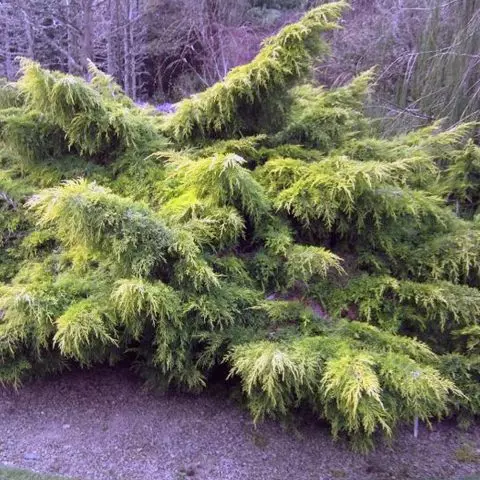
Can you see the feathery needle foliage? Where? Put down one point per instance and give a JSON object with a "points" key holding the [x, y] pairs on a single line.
{"points": [[251, 95], [290, 248]]}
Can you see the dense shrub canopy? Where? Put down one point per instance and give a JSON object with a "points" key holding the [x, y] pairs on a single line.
{"points": [[324, 266]]}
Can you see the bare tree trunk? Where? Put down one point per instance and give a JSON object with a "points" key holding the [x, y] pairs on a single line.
{"points": [[9, 65], [29, 37], [30, 51], [126, 53], [9, 60], [132, 67], [70, 39], [111, 70], [87, 50]]}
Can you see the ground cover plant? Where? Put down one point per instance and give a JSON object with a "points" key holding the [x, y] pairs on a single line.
{"points": [[14, 474], [263, 233]]}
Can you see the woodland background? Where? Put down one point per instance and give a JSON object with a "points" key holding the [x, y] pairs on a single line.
{"points": [[427, 51]]}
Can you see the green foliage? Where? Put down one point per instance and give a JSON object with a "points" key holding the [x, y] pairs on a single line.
{"points": [[359, 383], [87, 215], [221, 181], [462, 179], [30, 135], [83, 331], [62, 112], [304, 263], [290, 247], [339, 192], [325, 119], [9, 95], [454, 256], [429, 309], [252, 95], [138, 301]]}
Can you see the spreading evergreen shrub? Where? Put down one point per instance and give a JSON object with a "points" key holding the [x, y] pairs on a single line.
{"points": [[263, 232]]}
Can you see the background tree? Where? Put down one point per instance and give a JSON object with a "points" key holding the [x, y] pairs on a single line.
{"points": [[164, 50]]}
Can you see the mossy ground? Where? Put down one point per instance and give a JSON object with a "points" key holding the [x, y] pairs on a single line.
{"points": [[14, 474]]}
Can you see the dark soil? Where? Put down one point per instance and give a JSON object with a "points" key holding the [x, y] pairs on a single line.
{"points": [[100, 424]]}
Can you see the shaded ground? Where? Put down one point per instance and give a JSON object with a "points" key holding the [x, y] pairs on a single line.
{"points": [[101, 425]]}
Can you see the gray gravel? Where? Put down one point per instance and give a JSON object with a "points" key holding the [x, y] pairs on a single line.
{"points": [[101, 425]]}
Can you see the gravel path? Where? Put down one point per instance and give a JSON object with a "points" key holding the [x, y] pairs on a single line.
{"points": [[101, 425]]}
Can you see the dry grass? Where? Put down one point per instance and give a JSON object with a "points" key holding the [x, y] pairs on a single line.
{"points": [[427, 53]]}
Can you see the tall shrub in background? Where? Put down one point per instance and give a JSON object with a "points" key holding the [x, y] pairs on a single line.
{"points": [[442, 75]]}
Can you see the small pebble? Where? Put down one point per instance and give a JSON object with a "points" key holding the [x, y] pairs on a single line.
{"points": [[31, 456]]}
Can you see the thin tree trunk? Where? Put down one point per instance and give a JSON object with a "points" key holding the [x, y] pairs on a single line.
{"points": [[9, 64], [111, 70], [28, 33], [70, 40], [126, 62], [87, 53], [132, 68]]}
